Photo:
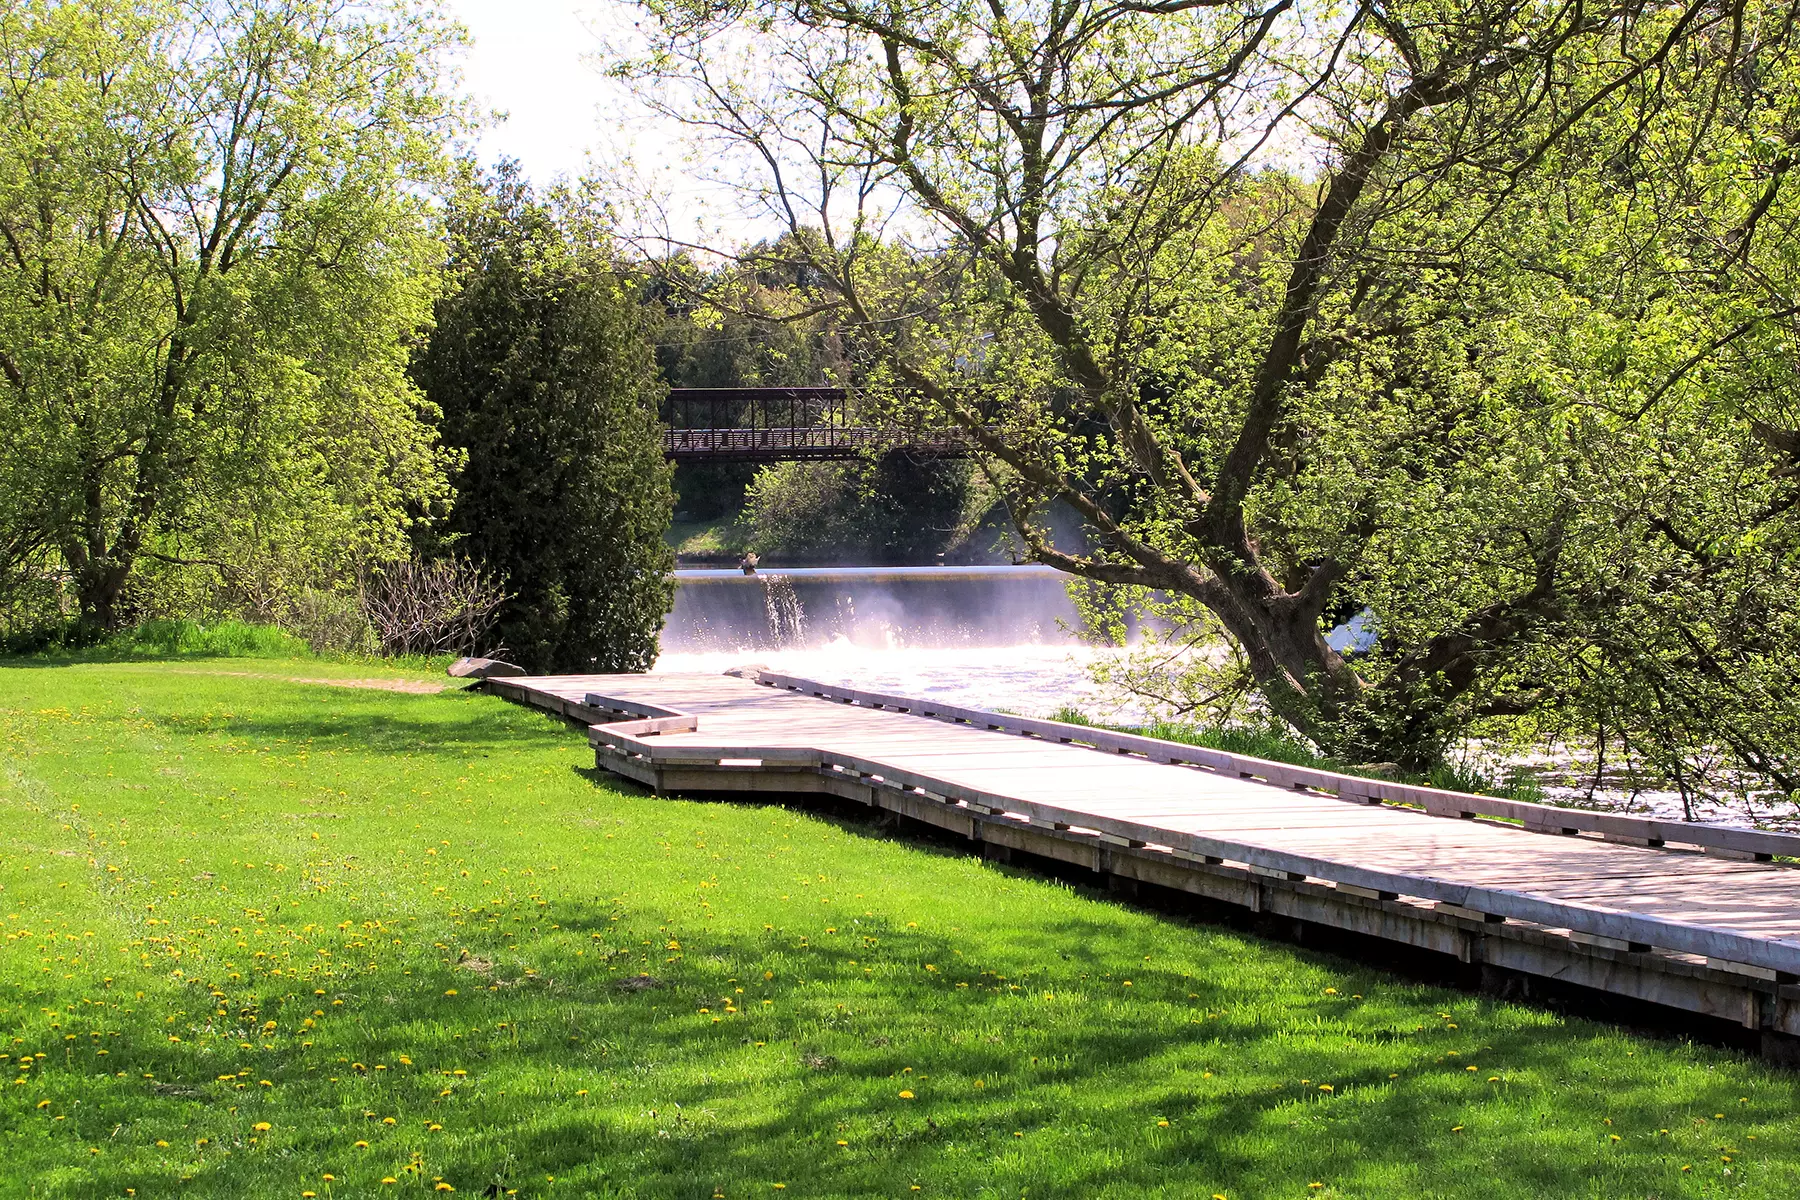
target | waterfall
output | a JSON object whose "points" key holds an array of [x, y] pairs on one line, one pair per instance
{"points": [[914, 607], [787, 616]]}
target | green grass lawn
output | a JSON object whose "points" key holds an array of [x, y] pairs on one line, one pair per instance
{"points": [[723, 539], [275, 938]]}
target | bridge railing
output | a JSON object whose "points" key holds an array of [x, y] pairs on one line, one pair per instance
{"points": [[785, 423]]}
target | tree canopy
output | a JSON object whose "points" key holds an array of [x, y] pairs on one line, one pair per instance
{"points": [[217, 238], [1476, 315]]}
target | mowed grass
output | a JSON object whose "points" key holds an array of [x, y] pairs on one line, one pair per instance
{"points": [[277, 939]]}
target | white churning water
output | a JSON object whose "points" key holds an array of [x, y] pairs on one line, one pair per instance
{"points": [[1004, 638], [993, 637]]}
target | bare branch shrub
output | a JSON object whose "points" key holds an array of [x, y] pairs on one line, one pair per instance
{"points": [[329, 621], [445, 606]]}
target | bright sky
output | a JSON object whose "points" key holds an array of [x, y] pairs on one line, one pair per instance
{"points": [[534, 61], [527, 59]]}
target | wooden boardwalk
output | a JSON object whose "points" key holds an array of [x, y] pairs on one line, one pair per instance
{"points": [[1704, 919]]}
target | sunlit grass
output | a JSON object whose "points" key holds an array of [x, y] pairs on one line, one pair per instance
{"points": [[265, 938]]}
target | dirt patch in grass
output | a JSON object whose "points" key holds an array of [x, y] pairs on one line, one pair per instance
{"points": [[416, 687]]}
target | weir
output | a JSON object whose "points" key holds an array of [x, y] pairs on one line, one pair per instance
{"points": [[903, 607]]}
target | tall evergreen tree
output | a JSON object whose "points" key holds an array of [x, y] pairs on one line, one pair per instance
{"points": [[540, 365]]}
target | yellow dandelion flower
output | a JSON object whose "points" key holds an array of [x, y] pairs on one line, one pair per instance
{"points": [[906, 1095], [43, 1104], [443, 1187], [389, 1179], [1328, 992], [1456, 1129], [361, 1145], [161, 1145], [1326, 1087], [262, 1127], [449, 991], [388, 1121]]}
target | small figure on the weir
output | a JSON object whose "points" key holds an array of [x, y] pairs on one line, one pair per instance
{"points": [[747, 564]]}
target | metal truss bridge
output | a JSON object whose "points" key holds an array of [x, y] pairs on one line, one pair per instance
{"points": [[785, 424]]}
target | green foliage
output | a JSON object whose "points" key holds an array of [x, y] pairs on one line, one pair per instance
{"points": [[533, 973], [225, 639], [541, 369], [219, 239], [160, 638], [886, 511]]}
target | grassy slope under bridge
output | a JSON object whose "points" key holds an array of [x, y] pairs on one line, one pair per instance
{"points": [[265, 938]]}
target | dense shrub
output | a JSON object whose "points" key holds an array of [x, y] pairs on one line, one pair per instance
{"points": [[541, 367]]}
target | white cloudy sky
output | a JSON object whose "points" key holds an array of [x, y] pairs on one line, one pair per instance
{"points": [[527, 59], [534, 61]]}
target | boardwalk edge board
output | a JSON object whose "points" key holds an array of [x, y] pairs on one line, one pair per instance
{"points": [[632, 738]]}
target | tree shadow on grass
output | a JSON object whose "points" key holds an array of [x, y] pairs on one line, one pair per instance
{"points": [[1241, 1094], [452, 723]]}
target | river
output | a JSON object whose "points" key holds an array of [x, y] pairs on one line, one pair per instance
{"points": [[1007, 638]]}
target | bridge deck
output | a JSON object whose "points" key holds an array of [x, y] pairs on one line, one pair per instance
{"points": [[1726, 930]]}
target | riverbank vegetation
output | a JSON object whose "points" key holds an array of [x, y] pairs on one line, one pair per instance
{"points": [[277, 927], [1473, 329], [1477, 321]]}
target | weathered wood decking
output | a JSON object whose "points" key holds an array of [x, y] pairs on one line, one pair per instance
{"points": [[1699, 918]]}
